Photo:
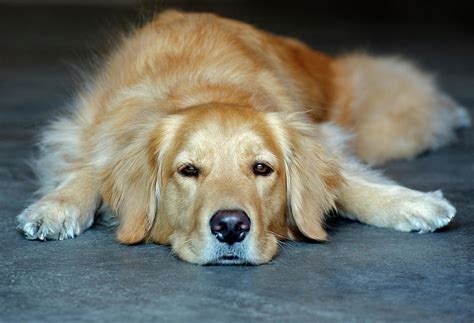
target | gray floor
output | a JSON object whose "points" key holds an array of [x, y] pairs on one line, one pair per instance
{"points": [[362, 274]]}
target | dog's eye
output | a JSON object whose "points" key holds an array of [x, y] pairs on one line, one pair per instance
{"points": [[189, 171], [261, 169]]}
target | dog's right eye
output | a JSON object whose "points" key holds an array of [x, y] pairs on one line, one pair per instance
{"points": [[262, 169], [189, 171]]}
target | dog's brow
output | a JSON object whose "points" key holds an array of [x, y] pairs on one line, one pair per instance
{"points": [[267, 157], [183, 157]]}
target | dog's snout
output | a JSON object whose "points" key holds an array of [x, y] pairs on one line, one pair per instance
{"points": [[230, 226]]}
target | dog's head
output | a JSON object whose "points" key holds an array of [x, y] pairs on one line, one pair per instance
{"points": [[222, 184]]}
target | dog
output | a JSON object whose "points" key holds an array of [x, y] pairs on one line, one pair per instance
{"points": [[219, 139]]}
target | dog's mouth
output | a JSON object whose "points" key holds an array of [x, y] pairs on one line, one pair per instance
{"points": [[229, 258], [224, 254]]}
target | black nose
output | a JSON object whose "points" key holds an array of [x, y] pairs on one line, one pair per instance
{"points": [[230, 226]]}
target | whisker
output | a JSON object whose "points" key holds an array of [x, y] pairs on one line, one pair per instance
{"points": [[179, 245], [282, 243], [277, 235]]}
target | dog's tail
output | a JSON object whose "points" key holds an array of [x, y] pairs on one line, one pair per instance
{"points": [[394, 109]]}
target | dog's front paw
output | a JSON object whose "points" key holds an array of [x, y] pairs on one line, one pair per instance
{"points": [[50, 220], [424, 212]]}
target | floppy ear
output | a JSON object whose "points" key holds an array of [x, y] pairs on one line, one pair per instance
{"points": [[131, 178], [129, 188], [313, 177]]}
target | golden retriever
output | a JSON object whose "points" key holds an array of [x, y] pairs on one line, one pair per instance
{"points": [[220, 139]]}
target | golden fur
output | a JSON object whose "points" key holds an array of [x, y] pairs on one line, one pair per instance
{"points": [[219, 94]]}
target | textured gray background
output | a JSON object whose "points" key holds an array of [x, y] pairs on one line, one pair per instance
{"points": [[362, 274]]}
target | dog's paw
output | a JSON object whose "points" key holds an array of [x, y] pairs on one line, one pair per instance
{"points": [[424, 212], [50, 220]]}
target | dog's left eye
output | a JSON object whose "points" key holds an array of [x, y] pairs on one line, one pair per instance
{"points": [[189, 171], [262, 169]]}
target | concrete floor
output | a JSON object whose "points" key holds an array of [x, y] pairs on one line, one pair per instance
{"points": [[362, 274]]}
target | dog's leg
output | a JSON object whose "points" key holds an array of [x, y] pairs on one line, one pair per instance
{"points": [[63, 213], [69, 190], [370, 198]]}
